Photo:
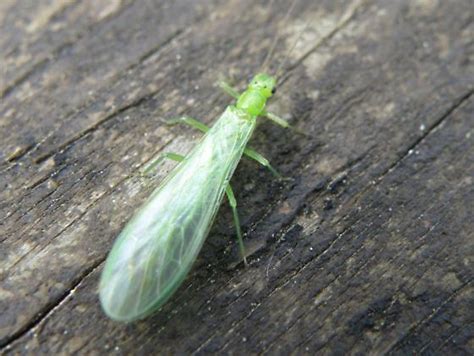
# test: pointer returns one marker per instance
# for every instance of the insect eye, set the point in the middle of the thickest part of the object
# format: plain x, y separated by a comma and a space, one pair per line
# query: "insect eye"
274, 90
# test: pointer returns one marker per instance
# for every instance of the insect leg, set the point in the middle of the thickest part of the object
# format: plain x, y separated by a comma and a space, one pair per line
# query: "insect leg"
281, 122
155, 161
275, 119
190, 122
228, 89
249, 152
233, 205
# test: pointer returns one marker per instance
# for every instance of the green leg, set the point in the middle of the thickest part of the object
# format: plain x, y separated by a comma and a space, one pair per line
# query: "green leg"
281, 122
249, 152
155, 161
228, 89
190, 122
276, 119
233, 205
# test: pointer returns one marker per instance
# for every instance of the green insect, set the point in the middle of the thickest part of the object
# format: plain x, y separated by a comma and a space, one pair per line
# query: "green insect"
156, 249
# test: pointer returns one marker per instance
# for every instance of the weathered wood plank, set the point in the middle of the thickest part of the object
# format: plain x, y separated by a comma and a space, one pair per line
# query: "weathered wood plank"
368, 250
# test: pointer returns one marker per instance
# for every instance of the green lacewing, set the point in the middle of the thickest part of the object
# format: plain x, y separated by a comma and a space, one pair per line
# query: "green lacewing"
157, 248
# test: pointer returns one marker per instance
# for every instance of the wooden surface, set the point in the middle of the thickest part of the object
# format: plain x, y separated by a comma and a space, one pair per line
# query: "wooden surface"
367, 250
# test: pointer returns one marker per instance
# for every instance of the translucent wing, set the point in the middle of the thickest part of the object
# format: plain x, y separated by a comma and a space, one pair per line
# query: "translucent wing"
156, 249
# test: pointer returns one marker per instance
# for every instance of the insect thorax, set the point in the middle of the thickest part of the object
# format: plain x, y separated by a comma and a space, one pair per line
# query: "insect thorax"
259, 90
252, 102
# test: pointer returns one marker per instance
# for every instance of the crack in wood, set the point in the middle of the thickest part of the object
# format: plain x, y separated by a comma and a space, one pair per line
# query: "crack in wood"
48, 309
19, 81
26, 253
278, 287
323, 289
444, 342
358, 271
438, 122
70, 142
160, 47
372, 258
315, 188
407, 151
90, 206
41, 64
308, 195
25, 151
283, 228
415, 326
347, 18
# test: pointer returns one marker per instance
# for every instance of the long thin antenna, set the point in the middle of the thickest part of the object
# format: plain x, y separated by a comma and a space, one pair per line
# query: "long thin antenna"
287, 56
264, 65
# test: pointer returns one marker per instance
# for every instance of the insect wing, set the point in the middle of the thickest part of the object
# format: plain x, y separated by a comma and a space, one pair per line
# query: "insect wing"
156, 249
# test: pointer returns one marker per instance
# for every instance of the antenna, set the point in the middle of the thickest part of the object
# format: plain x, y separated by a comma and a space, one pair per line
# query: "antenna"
287, 56
264, 65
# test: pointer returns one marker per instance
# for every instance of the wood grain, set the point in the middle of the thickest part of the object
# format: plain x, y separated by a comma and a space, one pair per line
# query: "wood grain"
368, 249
